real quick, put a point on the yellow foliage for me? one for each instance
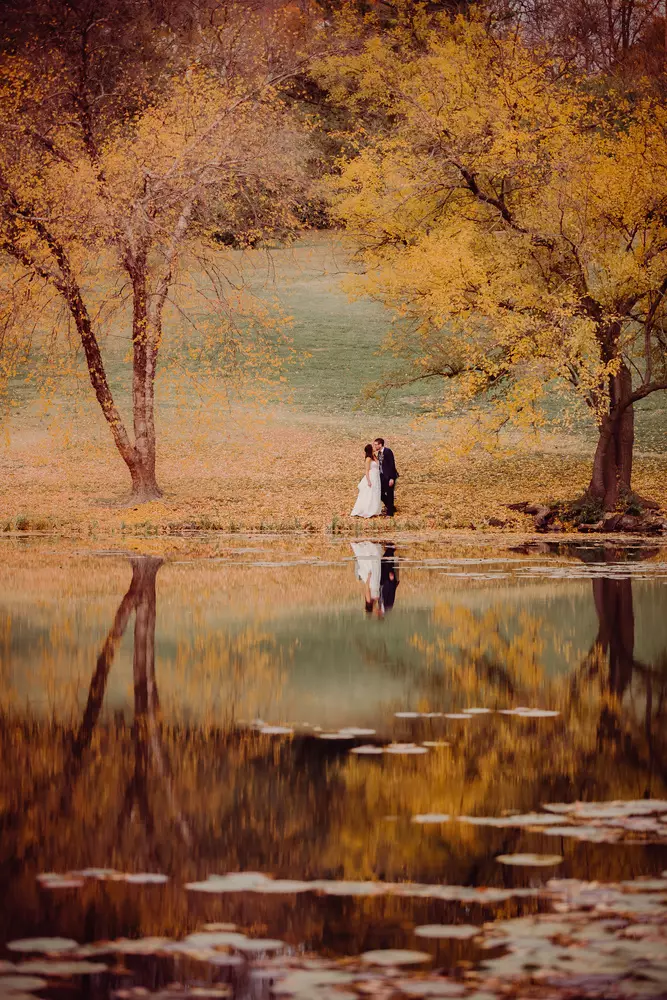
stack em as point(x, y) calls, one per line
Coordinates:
point(517, 232)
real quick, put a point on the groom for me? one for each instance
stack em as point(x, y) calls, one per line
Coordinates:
point(388, 475)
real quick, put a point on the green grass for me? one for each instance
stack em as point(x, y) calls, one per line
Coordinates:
point(339, 342)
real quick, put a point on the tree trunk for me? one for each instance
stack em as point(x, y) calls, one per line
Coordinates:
point(612, 464)
point(142, 469)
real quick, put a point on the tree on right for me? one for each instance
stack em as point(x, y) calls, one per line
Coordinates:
point(514, 222)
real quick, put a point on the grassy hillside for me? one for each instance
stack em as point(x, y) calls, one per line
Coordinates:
point(293, 464)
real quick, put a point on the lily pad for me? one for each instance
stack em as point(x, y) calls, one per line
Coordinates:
point(305, 980)
point(146, 878)
point(435, 743)
point(55, 881)
point(367, 748)
point(407, 715)
point(590, 834)
point(65, 969)
point(537, 713)
point(462, 932)
point(528, 819)
point(139, 946)
point(100, 873)
point(429, 987)
point(46, 945)
point(355, 731)
point(530, 860)
point(282, 885)
point(20, 984)
point(335, 736)
point(335, 888)
point(260, 945)
point(608, 810)
point(478, 711)
point(395, 956)
point(214, 939)
point(405, 748)
point(233, 882)
point(431, 818)
point(457, 715)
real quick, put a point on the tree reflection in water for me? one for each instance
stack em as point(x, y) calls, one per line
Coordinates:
point(191, 798)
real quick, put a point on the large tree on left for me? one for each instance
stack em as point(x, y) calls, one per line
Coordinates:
point(121, 123)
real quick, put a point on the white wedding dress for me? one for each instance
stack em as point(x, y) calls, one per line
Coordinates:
point(369, 503)
point(368, 565)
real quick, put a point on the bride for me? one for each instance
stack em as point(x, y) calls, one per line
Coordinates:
point(369, 503)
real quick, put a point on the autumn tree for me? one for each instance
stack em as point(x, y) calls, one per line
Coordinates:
point(517, 230)
point(610, 38)
point(129, 131)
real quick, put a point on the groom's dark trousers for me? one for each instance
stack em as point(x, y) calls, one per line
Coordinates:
point(388, 471)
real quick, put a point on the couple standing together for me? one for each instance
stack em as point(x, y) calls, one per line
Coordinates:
point(378, 482)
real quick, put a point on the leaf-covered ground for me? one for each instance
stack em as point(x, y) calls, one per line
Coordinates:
point(284, 472)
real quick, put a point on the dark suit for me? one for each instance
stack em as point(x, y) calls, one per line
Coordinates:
point(388, 578)
point(388, 471)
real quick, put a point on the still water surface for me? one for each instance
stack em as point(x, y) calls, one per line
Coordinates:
point(135, 688)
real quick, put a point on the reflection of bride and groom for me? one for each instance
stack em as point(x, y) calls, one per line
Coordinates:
point(376, 566)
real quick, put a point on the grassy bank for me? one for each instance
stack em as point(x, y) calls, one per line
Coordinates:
point(291, 467)
point(286, 473)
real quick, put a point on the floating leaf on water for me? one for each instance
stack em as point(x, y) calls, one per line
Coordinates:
point(335, 736)
point(213, 939)
point(608, 810)
point(222, 960)
point(355, 731)
point(99, 873)
point(335, 888)
point(435, 743)
point(275, 731)
point(260, 945)
point(407, 715)
point(647, 884)
point(529, 819)
point(395, 956)
point(530, 860)
point(477, 711)
point(47, 945)
point(146, 878)
point(405, 748)
point(539, 713)
point(66, 969)
point(19, 984)
point(368, 748)
point(210, 991)
point(461, 931)
point(55, 881)
point(429, 987)
point(431, 818)
point(232, 882)
point(285, 885)
point(457, 715)
point(139, 946)
point(305, 980)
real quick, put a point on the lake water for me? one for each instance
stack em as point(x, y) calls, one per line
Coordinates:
point(139, 694)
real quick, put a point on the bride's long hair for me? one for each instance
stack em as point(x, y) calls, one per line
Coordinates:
point(368, 451)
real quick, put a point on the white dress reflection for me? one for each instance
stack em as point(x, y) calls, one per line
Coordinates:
point(368, 569)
